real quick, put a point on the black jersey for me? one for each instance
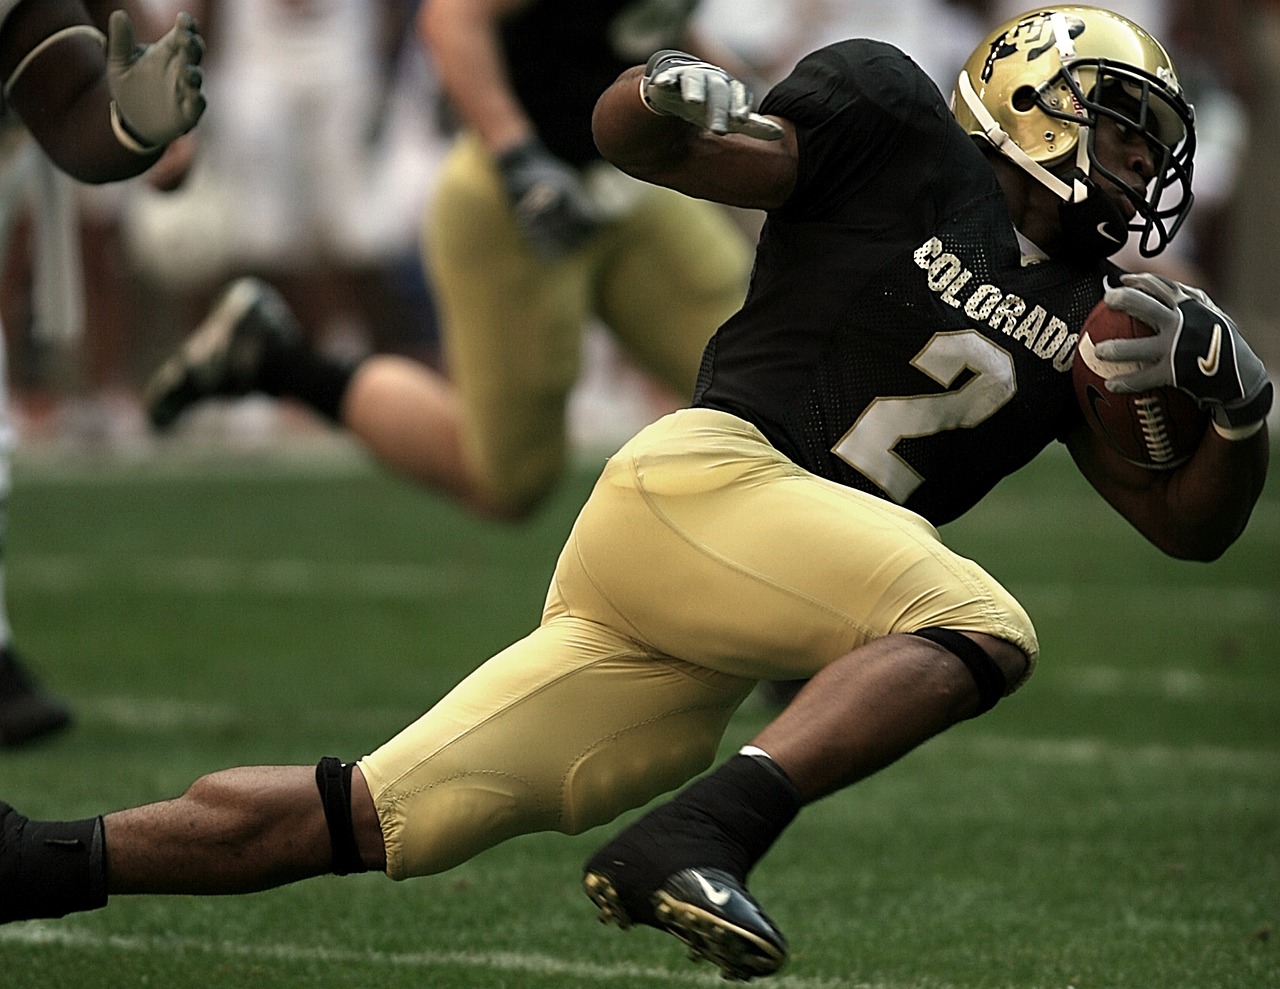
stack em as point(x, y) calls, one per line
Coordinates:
point(562, 54)
point(894, 338)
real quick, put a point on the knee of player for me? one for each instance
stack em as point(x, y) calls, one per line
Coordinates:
point(518, 493)
point(1013, 662)
point(996, 666)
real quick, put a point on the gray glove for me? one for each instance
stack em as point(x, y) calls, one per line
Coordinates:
point(679, 85)
point(1196, 347)
point(155, 89)
point(552, 207)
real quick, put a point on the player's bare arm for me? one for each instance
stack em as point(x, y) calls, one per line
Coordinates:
point(669, 150)
point(1199, 509)
point(102, 110)
point(1194, 512)
point(462, 36)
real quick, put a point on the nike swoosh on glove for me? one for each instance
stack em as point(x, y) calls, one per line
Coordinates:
point(1196, 347)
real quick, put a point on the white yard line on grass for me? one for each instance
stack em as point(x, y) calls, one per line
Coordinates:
point(209, 577)
point(39, 933)
point(74, 573)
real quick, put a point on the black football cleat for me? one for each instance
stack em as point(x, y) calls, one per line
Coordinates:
point(224, 354)
point(27, 711)
point(708, 909)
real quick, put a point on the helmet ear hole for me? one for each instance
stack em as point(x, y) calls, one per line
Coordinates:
point(1024, 98)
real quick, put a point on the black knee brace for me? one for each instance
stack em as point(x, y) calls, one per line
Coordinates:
point(986, 672)
point(333, 780)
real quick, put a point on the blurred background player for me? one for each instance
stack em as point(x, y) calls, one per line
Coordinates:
point(100, 108)
point(318, 154)
point(530, 238)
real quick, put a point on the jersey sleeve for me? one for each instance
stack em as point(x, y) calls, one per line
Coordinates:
point(853, 104)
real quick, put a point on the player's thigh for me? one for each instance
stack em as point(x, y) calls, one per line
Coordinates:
point(511, 328)
point(562, 731)
point(675, 270)
point(706, 543)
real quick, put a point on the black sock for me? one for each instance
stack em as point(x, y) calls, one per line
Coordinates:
point(726, 820)
point(295, 371)
point(50, 868)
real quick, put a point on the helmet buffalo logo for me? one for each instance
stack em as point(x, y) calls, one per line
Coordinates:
point(1033, 34)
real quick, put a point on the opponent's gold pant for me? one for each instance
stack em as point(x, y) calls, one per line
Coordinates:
point(702, 561)
point(662, 277)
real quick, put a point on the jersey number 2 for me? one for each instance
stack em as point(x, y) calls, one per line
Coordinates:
point(868, 445)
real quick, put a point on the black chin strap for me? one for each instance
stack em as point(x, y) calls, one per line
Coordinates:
point(1093, 228)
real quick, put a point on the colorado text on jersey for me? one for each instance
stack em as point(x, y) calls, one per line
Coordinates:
point(1045, 335)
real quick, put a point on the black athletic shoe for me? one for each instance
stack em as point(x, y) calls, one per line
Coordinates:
point(708, 909)
point(224, 355)
point(27, 711)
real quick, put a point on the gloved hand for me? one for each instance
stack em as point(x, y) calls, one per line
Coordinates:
point(551, 205)
point(1196, 347)
point(155, 89)
point(679, 85)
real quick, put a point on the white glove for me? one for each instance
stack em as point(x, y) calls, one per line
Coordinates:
point(677, 84)
point(155, 89)
point(1196, 347)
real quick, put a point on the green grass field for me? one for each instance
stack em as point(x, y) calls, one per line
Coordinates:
point(1116, 825)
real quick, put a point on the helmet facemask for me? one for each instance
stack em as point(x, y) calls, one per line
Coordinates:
point(1139, 103)
point(1038, 89)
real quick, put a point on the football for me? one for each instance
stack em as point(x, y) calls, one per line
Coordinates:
point(1157, 429)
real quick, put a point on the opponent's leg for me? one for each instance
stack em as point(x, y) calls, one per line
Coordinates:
point(511, 329)
point(405, 413)
point(27, 711)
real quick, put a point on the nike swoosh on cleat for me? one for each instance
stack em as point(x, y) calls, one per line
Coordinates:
point(717, 895)
point(1208, 364)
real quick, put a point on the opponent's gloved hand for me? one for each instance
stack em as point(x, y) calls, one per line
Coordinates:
point(1196, 347)
point(155, 89)
point(677, 84)
point(552, 207)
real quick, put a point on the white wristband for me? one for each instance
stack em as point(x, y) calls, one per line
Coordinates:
point(645, 100)
point(1237, 433)
point(127, 139)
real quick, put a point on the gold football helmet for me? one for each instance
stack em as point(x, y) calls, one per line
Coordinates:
point(1036, 88)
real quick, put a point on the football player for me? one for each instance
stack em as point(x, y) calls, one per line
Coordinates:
point(905, 344)
point(530, 235)
point(101, 108)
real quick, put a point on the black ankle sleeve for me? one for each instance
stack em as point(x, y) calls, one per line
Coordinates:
point(316, 380)
point(60, 867)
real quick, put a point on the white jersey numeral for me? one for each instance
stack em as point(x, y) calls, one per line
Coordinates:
point(869, 443)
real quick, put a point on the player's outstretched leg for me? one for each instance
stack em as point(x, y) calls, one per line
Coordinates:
point(27, 711)
point(682, 867)
point(225, 355)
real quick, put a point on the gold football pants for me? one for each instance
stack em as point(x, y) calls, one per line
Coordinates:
point(703, 561)
point(662, 276)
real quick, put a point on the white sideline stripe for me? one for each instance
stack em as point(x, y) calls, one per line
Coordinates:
point(1116, 602)
point(204, 576)
point(1094, 751)
point(302, 578)
point(162, 715)
point(37, 933)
